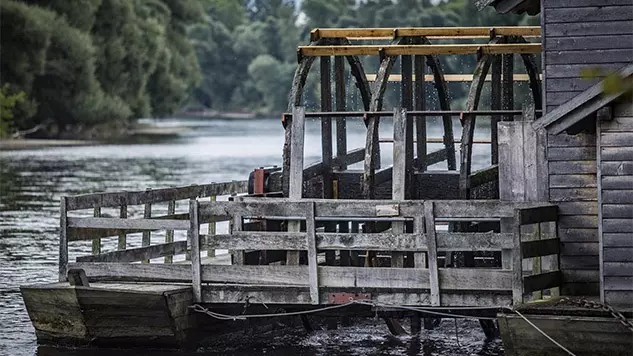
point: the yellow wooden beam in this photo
(399, 50)
(448, 77)
(463, 32)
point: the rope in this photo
(200, 309)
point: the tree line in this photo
(84, 62)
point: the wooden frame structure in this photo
(412, 47)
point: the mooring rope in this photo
(200, 309)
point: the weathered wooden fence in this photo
(99, 226)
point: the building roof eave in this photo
(580, 106)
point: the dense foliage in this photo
(82, 62)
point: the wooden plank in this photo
(118, 223)
(511, 165)
(79, 234)
(138, 254)
(431, 241)
(495, 104)
(589, 28)
(575, 70)
(477, 208)
(169, 234)
(579, 248)
(147, 235)
(618, 124)
(579, 262)
(419, 259)
(122, 241)
(106, 200)
(460, 78)
(571, 153)
(426, 50)
(578, 221)
(573, 167)
(399, 171)
(618, 254)
(425, 31)
(541, 281)
(616, 153)
(593, 42)
(617, 211)
(577, 208)
(538, 214)
(595, 57)
(617, 182)
(484, 176)
(419, 78)
(578, 235)
(96, 243)
(312, 254)
(618, 269)
(63, 239)
(573, 181)
(621, 168)
(297, 143)
(618, 239)
(540, 248)
(589, 14)
(618, 283)
(326, 126)
(617, 197)
(507, 85)
(572, 194)
(617, 225)
(517, 261)
(618, 298)
(193, 237)
(616, 139)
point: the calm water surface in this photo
(32, 181)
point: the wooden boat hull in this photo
(582, 335)
(110, 314)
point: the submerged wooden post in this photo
(147, 235)
(169, 235)
(96, 243)
(194, 243)
(63, 239)
(399, 172)
(296, 171)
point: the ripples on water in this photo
(32, 181)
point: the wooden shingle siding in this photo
(616, 184)
(579, 34)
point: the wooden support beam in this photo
(326, 143)
(517, 261)
(118, 223)
(122, 241)
(297, 137)
(312, 254)
(169, 235)
(464, 78)
(495, 104)
(96, 243)
(407, 103)
(193, 236)
(341, 124)
(389, 33)
(138, 254)
(419, 78)
(426, 50)
(399, 173)
(147, 235)
(431, 241)
(63, 239)
(507, 84)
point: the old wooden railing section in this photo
(413, 230)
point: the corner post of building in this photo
(194, 243)
(295, 189)
(63, 239)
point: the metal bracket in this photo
(344, 297)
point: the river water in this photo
(32, 181)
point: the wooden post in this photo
(194, 243)
(122, 243)
(418, 229)
(495, 104)
(238, 256)
(326, 127)
(211, 251)
(96, 243)
(429, 219)
(341, 122)
(63, 239)
(407, 103)
(312, 254)
(147, 235)
(420, 105)
(169, 235)
(517, 260)
(296, 171)
(399, 174)
(507, 102)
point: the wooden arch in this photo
(474, 95)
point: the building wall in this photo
(579, 34)
(615, 174)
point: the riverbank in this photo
(27, 144)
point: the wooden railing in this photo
(99, 226)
